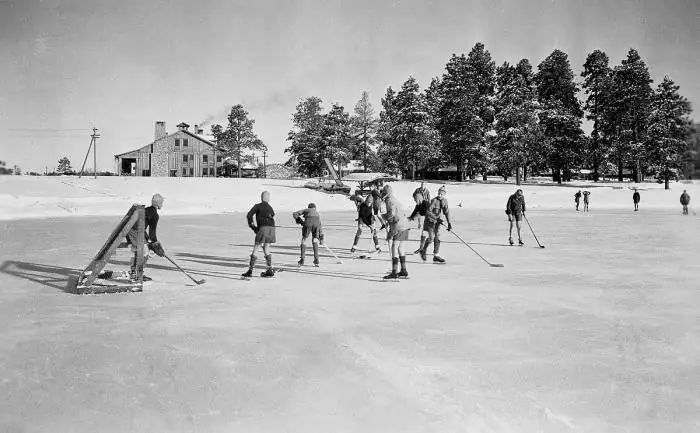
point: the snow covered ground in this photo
(598, 332)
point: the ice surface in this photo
(598, 332)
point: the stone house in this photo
(180, 154)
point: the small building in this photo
(180, 154)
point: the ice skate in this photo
(510, 240)
(247, 274)
(391, 276)
(353, 249)
(300, 262)
(520, 242)
(438, 259)
(423, 256)
(316, 263)
(269, 273)
(403, 273)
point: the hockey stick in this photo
(198, 282)
(493, 265)
(533, 232)
(331, 251)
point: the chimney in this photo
(183, 126)
(160, 130)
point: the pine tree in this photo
(238, 140)
(669, 130)
(466, 111)
(627, 102)
(308, 145)
(337, 133)
(560, 115)
(64, 166)
(388, 149)
(517, 142)
(365, 124)
(597, 76)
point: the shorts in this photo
(314, 230)
(518, 217)
(401, 235)
(265, 235)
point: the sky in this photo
(119, 66)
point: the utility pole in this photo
(93, 142)
(265, 163)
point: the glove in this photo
(254, 228)
(157, 248)
(439, 221)
(299, 220)
(449, 227)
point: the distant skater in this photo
(586, 200)
(365, 217)
(397, 233)
(310, 222)
(150, 235)
(422, 209)
(577, 199)
(635, 199)
(433, 220)
(264, 229)
(685, 201)
(515, 209)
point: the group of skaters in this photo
(636, 198)
(378, 208)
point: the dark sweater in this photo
(151, 224)
(264, 215)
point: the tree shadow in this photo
(56, 277)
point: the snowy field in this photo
(598, 332)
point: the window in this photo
(184, 172)
(211, 172)
(177, 142)
(205, 172)
(205, 159)
(185, 142)
(184, 158)
(218, 158)
(173, 173)
(191, 171)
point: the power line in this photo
(46, 129)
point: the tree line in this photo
(507, 120)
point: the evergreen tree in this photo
(517, 142)
(365, 124)
(466, 111)
(64, 166)
(238, 140)
(597, 76)
(388, 149)
(338, 135)
(560, 115)
(669, 130)
(308, 144)
(627, 103)
(413, 127)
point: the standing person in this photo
(685, 201)
(421, 210)
(585, 200)
(423, 191)
(577, 199)
(365, 217)
(397, 233)
(149, 234)
(376, 198)
(635, 199)
(515, 209)
(433, 219)
(264, 229)
(310, 222)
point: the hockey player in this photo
(577, 199)
(264, 229)
(635, 199)
(310, 222)
(397, 233)
(423, 191)
(515, 209)
(421, 210)
(433, 220)
(586, 194)
(365, 217)
(150, 235)
(685, 201)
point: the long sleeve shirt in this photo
(264, 215)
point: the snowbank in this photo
(40, 197)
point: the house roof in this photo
(202, 138)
